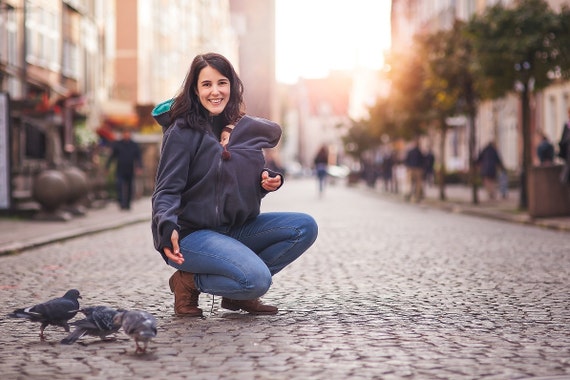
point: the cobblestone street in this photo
(390, 290)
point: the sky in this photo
(316, 36)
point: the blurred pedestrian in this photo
(504, 184)
(370, 171)
(321, 163)
(490, 162)
(428, 171)
(127, 156)
(415, 163)
(545, 150)
(564, 151)
(387, 171)
(206, 219)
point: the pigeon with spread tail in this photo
(55, 312)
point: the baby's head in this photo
(225, 135)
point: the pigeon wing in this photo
(77, 333)
(103, 319)
(59, 309)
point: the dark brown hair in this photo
(187, 105)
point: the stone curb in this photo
(15, 247)
(497, 214)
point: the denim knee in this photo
(311, 229)
(257, 285)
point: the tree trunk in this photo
(472, 165)
(443, 169)
(526, 157)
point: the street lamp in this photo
(524, 85)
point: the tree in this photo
(449, 80)
(381, 120)
(359, 139)
(401, 115)
(518, 47)
(409, 102)
(431, 82)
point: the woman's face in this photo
(213, 90)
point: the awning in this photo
(119, 114)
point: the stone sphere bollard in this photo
(77, 182)
(50, 189)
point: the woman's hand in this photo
(270, 183)
(174, 254)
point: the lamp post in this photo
(524, 86)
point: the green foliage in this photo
(448, 56)
(359, 139)
(562, 44)
(431, 81)
(517, 44)
(85, 137)
(410, 102)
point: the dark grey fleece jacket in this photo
(198, 187)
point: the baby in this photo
(224, 139)
(225, 135)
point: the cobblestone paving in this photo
(389, 291)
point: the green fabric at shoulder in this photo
(162, 107)
(161, 113)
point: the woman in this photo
(206, 219)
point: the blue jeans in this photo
(239, 262)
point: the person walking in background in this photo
(127, 156)
(321, 163)
(564, 151)
(206, 219)
(428, 171)
(388, 171)
(415, 163)
(504, 184)
(545, 150)
(489, 162)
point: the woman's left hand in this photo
(270, 183)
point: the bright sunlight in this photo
(316, 36)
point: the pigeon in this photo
(56, 312)
(98, 322)
(139, 325)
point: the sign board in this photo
(5, 180)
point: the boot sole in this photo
(233, 307)
(200, 314)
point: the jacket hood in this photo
(161, 113)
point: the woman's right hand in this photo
(174, 254)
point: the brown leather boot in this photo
(254, 306)
(185, 294)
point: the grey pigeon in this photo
(56, 312)
(98, 322)
(139, 325)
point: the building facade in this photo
(50, 70)
(69, 68)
